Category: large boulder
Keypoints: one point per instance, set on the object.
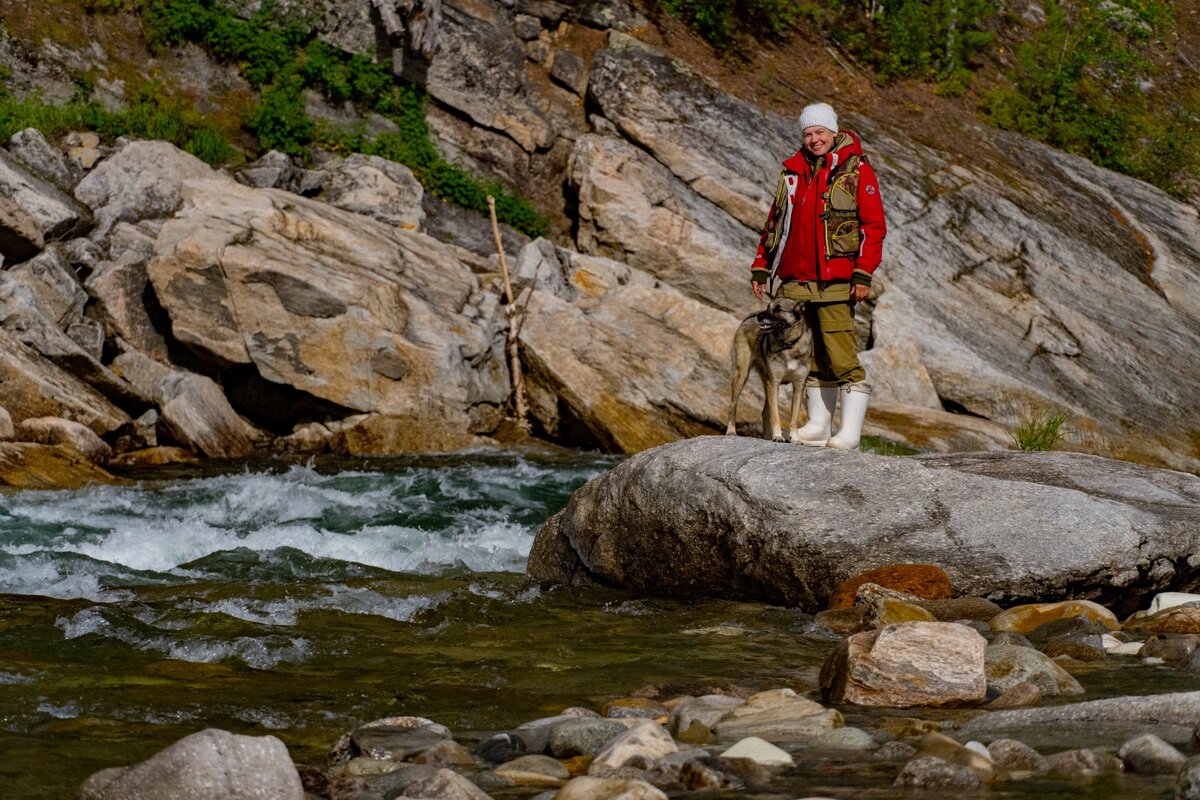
(33, 387)
(117, 287)
(626, 363)
(54, 214)
(44, 159)
(741, 517)
(206, 765)
(345, 309)
(142, 181)
(379, 188)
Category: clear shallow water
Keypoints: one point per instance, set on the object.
(303, 600)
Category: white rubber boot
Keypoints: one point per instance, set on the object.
(854, 411)
(820, 401)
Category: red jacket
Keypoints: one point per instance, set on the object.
(796, 236)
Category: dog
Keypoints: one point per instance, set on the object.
(777, 343)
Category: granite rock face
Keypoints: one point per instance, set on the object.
(747, 518)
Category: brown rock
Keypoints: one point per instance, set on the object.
(55, 430)
(956, 608)
(37, 466)
(1026, 618)
(1172, 649)
(843, 620)
(1174, 620)
(1017, 696)
(379, 435)
(153, 457)
(908, 664)
(923, 580)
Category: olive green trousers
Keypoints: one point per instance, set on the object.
(830, 315)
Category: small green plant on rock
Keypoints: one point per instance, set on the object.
(1040, 431)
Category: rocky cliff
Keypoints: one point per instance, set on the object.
(335, 305)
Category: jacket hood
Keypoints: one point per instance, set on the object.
(845, 144)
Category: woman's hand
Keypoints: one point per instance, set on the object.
(858, 292)
(757, 288)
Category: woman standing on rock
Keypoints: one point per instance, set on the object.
(822, 242)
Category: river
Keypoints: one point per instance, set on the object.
(302, 600)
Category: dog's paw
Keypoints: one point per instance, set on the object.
(731, 431)
(778, 437)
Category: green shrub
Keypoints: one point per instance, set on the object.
(927, 38)
(722, 21)
(279, 120)
(1078, 86)
(1040, 432)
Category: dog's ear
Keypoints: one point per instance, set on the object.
(800, 304)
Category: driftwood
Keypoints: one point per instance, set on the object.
(424, 17)
(512, 346)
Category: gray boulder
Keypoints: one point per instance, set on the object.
(379, 188)
(20, 237)
(54, 215)
(44, 159)
(1008, 665)
(1150, 755)
(204, 766)
(142, 181)
(784, 524)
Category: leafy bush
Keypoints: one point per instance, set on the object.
(1040, 432)
(721, 21)
(1078, 85)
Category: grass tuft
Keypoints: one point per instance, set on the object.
(1040, 432)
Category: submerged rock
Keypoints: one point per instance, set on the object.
(24, 465)
(746, 518)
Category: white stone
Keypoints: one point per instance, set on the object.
(759, 751)
(1171, 599)
(646, 740)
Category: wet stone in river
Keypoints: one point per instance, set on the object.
(930, 773)
(760, 752)
(646, 742)
(844, 739)
(587, 787)
(1014, 755)
(635, 708)
(445, 785)
(778, 716)
(1150, 755)
(1081, 761)
(1172, 649)
(394, 743)
(583, 736)
(534, 770)
(708, 710)
(1008, 665)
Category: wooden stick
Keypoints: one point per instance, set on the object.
(512, 344)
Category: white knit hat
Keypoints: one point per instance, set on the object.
(819, 114)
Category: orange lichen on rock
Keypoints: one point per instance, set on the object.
(927, 581)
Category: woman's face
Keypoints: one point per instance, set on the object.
(818, 140)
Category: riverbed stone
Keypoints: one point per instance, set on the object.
(1018, 756)
(706, 710)
(211, 763)
(907, 664)
(778, 715)
(55, 430)
(647, 741)
(344, 748)
(1080, 761)
(1008, 665)
(395, 743)
(926, 581)
(583, 736)
(534, 770)
(445, 785)
(1164, 600)
(894, 750)
(929, 773)
(1029, 617)
(1187, 785)
(846, 738)
(995, 520)
(1017, 696)
(588, 787)
(1171, 649)
(1150, 755)
(760, 752)
(1180, 619)
(702, 774)
(635, 708)
(960, 608)
(972, 755)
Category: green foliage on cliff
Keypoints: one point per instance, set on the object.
(282, 57)
(1080, 84)
(149, 116)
